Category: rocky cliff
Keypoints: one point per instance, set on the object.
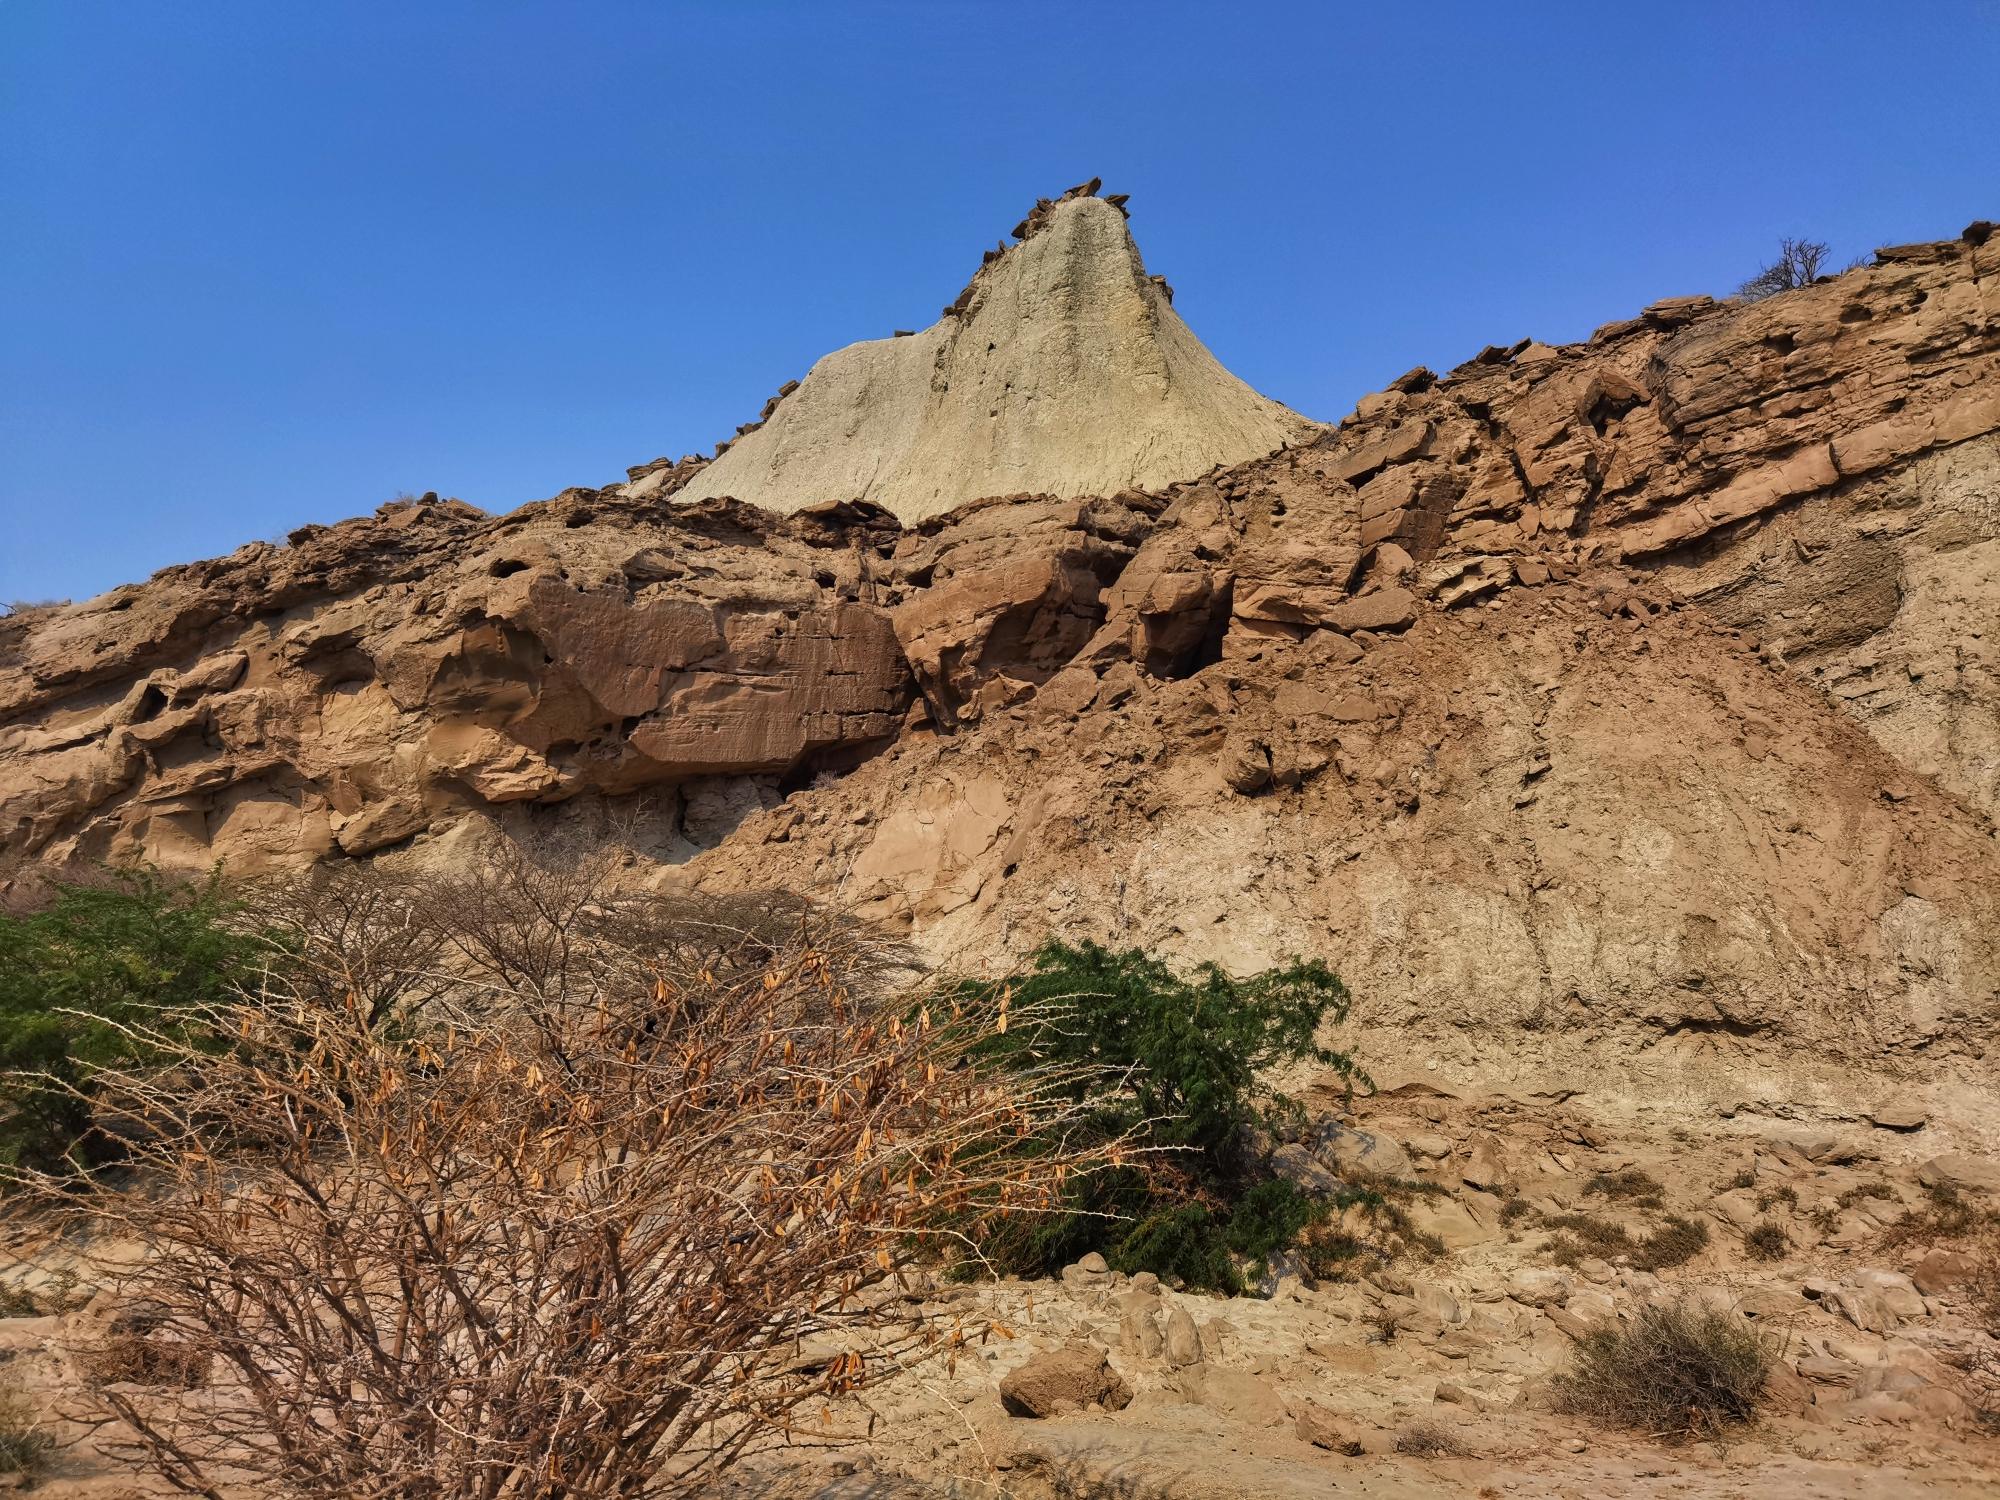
(1626, 708)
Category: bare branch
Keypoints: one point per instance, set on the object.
(626, 1192)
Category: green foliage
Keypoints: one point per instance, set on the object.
(134, 949)
(1330, 1254)
(1269, 1217)
(1181, 1243)
(1185, 1053)
(1676, 1369)
(1171, 1065)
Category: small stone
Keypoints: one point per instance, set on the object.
(1898, 1117)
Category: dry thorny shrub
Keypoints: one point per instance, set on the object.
(609, 1210)
(1679, 1369)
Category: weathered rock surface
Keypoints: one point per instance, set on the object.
(1632, 700)
(376, 679)
(1064, 1379)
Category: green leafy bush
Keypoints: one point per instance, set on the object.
(134, 949)
(1182, 1243)
(1269, 1217)
(1170, 1064)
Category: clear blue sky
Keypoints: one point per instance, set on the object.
(264, 263)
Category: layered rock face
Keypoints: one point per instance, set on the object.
(1627, 707)
(389, 676)
(1062, 369)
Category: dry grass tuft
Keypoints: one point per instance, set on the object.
(1676, 1370)
(25, 1445)
(1946, 1215)
(1767, 1241)
(1428, 1439)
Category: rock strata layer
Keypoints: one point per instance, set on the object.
(1631, 699)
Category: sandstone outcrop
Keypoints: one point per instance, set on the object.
(376, 679)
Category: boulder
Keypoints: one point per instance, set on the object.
(1066, 1379)
(1488, 1164)
(1240, 1394)
(1436, 1303)
(1533, 1287)
(1088, 1274)
(1940, 1271)
(1902, 1117)
(1348, 1149)
(1452, 1222)
(1897, 1291)
(1738, 1207)
(1183, 1340)
(1325, 1429)
(1864, 1308)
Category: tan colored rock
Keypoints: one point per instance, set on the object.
(1708, 884)
(1940, 1270)
(1325, 1429)
(1539, 1288)
(1057, 1380)
(1347, 1148)
(1066, 372)
(1183, 1340)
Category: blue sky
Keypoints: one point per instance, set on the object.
(267, 263)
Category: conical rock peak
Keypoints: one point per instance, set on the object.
(1063, 369)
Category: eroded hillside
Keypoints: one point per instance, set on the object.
(1633, 699)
